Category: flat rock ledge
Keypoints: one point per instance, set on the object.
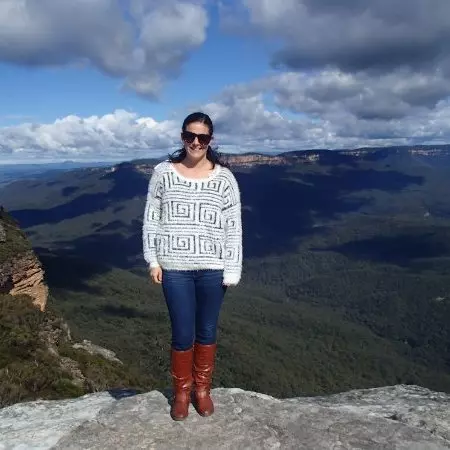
(392, 417)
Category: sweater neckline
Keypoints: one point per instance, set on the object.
(213, 173)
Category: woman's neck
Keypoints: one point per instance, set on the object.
(196, 164)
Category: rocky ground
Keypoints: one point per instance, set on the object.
(393, 417)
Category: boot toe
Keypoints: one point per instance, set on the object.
(179, 411)
(178, 417)
(204, 405)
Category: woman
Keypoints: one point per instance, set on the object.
(192, 238)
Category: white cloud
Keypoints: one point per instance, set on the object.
(113, 136)
(145, 42)
(283, 112)
(332, 109)
(384, 96)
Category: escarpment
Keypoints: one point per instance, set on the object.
(21, 272)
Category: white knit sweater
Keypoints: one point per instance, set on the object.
(193, 224)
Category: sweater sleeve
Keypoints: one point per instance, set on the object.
(233, 233)
(152, 216)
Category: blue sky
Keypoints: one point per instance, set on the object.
(45, 94)
(273, 76)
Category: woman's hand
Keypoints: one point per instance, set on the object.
(156, 275)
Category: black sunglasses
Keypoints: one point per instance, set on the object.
(189, 137)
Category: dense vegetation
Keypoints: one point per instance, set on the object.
(30, 368)
(346, 278)
(13, 241)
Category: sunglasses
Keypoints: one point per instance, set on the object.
(189, 137)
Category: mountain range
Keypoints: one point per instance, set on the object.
(13, 172)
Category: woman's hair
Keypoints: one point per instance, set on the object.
(211, 154)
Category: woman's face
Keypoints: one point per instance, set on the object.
(196, 146)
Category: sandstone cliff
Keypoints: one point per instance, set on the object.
(248, 160)
(21, 272)
(255, 160)
(24, 275)
(394, 417)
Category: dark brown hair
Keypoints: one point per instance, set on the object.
(211, 154)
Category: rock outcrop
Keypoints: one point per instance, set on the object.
(21, 272)
(395, 417)
(94, 349)
(255, 160)
(23, 275)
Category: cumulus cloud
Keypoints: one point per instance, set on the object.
(386, 96)
(144, 42)
(280, 112)
(120, 135)
(333, 110)
(242, 124)
(245, 120)
(355, 35)
(354, 73)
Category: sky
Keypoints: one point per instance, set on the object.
(91, 80)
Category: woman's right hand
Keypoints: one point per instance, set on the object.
(156, 275)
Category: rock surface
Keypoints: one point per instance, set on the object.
(94, 349)
(23, 275)
(255, 160)
(394, 417)
(21, 272)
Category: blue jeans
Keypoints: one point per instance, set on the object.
(194, 299)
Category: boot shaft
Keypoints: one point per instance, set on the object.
(203, 366)
(204, 356)
(181, 367)
(182, 379)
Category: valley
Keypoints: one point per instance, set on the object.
(346, 268)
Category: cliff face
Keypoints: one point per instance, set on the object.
(255, 160)
(21, 272)
(24, 275)
(247, 161)
(316, 156)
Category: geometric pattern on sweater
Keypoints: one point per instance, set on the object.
(192, 224)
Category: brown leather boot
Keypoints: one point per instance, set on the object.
(204, 356)
(181, 369)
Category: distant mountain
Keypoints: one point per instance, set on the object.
(435, 155)
(346, 271)
(13, 172)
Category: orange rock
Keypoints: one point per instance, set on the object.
(23, 275)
